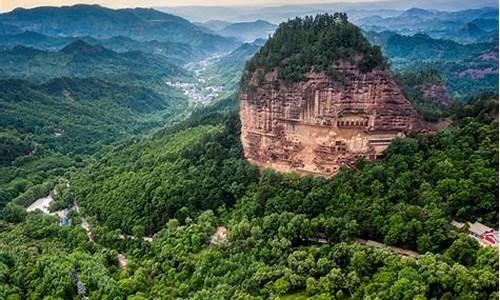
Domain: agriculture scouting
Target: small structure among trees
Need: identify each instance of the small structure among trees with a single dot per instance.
(486, 236)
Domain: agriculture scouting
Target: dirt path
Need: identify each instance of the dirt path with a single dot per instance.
(85, 225)
(397, 250)
(393, 249)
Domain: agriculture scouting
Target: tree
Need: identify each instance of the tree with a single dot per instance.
(463, 250)
(13, 213)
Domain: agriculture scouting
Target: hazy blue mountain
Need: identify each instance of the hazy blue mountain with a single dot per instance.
(228, 68)
(244, 31)
(9, 29)
(276, 13)
(199, 13)
(466, 69)
(34, 40)
(248, 31)
(486, 24)
(461, 26)
(213, 25)
(423, 47)
(471, 30)
(179, 53)
(78, 20)
(100, 22)
(236, 59)
(417, 13)
(467, 15)
(80, 59)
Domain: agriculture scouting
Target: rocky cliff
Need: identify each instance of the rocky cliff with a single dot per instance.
(318, 125)
(321, 122)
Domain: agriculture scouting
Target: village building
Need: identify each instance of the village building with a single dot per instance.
(486, 236)
(456, 224)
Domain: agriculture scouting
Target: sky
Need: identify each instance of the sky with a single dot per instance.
(7, 5)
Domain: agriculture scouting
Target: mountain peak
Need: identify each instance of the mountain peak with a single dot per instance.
(307, 44)
(417, 12)
(80, 46)
(260, 21)
(25, 50)
(103, 23)
(311, 98)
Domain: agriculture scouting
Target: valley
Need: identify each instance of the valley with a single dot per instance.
(198, 90)
(286, 152)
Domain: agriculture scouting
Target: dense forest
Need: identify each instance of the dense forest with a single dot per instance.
(58, 108)
(226, 71)
(50, 127)
(80, 59)
(95, 21)
(160, 201)
(466, 69)
(184, 181)
(300, 45)
(213, 168)
(416, 83)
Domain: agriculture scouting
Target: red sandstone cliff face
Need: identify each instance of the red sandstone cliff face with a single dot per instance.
(319, 124)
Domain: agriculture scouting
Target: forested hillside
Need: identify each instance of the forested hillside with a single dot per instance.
(76, 79)
(150, 195)
(420, 46)
(59, 107)
(72, 117)
(68, 88)
(227, 70)
(427, 91)
(463, 26)
(405, 181)
(276, 223)
(80, 59)
(466, 69)
(179, 53)
(248, 31)
(79, 114)
(102, 23)
(332, 38)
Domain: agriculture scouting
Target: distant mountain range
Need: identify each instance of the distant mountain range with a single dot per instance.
(103, 23)
(278, 13)
(229, 67)
(213, 25)
(244, 31)
(86, 113)
(149, 42)
(80, 59)
(467, 69)
(178, 52)
(466, 26)
(425, 48)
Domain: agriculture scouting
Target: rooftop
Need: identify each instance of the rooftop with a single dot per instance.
(479, 228)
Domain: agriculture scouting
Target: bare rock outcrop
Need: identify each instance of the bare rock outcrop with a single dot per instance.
(320, 124)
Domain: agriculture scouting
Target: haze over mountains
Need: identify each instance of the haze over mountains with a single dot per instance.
(356, 10)
(99, 22)
(89, 41)
(125, 152)
(92, 41)
(244, 31)
(81, 59)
